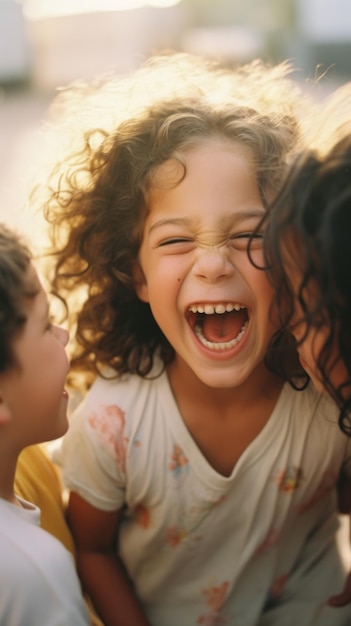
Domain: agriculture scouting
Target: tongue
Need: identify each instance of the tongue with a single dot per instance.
(223, 327)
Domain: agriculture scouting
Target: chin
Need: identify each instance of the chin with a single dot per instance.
(221, 380)
(62, 426)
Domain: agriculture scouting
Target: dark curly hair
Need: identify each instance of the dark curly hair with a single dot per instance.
(16, 286)
(96, 198)
(308, 229)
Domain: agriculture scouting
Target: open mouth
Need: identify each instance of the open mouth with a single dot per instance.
(218, 326)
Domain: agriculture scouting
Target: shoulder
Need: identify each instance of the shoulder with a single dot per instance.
(128, 395)
(37, 480)
(314, 416)
(31, 554)
(309, 403)
(310, 414)
(110, 417)
(26, 545)
(36, 566)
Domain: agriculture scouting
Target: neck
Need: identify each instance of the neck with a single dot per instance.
(8, 464)
(223, 422)
(186, 385)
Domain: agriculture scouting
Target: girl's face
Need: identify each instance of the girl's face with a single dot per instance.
(205, 294)
(32, 392)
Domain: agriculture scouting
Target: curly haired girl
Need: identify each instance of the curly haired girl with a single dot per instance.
(200, 487)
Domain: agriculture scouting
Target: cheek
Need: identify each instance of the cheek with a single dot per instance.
(256, 258)
(262, 289)
(165, 273)
(310, 348)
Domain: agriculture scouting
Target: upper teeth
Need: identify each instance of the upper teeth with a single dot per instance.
(209, 309)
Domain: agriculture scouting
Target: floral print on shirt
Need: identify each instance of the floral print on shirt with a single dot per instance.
(187, 529)
(289, 479)
(143, 516)
(327, 484)
(179, 464)
(215, 597)
(108, 422)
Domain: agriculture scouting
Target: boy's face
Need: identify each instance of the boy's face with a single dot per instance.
(32, 392)
(205, 294)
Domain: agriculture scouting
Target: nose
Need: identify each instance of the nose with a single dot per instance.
(213, 263)
(62, 335)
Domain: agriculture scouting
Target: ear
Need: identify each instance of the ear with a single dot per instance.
(140, 283)
(5, 413)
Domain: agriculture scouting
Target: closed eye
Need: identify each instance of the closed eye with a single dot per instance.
(176, 245)
(240, 240)
(174, 240)
(247, 235)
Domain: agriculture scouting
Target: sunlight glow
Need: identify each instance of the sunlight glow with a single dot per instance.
(41, 9)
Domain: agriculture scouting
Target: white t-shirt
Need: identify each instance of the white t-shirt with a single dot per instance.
(202, 548)
(38, 581)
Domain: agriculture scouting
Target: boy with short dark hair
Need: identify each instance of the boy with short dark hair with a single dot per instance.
(38, 582)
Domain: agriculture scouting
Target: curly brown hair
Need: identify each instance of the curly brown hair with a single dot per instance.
(96, 200)
(311, 221)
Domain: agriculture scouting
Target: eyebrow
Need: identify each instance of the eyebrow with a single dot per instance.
(229, 220)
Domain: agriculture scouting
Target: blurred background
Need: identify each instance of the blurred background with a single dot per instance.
(47, 44)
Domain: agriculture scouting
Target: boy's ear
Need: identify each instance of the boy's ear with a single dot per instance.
(5, 413)
(140, 283)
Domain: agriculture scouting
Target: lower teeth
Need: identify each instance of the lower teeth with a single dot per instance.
(224, 345)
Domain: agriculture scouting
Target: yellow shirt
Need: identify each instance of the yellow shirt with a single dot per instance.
(37, 480)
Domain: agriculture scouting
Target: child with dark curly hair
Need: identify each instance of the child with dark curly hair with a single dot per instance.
(202, 487)
(306, 250)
